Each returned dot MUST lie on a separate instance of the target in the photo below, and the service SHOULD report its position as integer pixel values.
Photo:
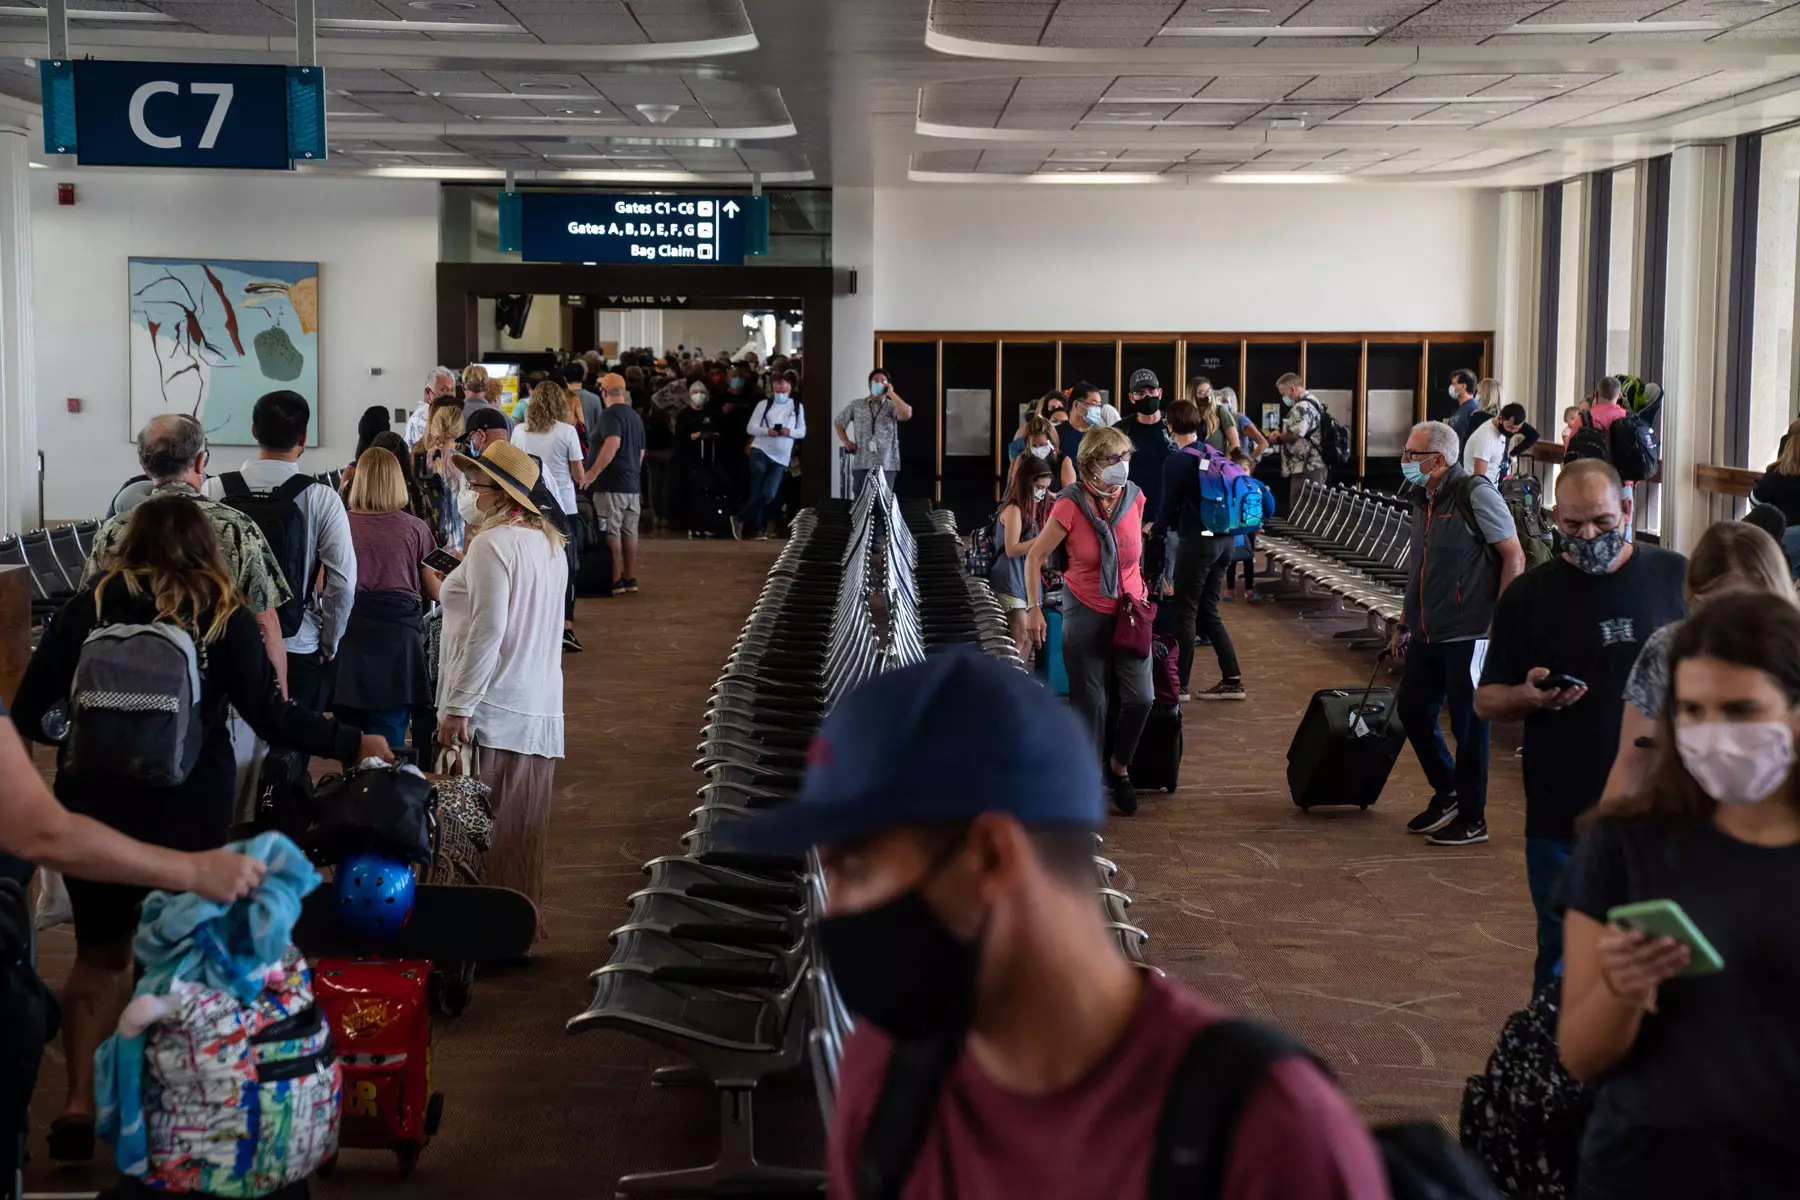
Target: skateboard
(449, 925)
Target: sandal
(72, 1139)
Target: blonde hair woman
(1218, 424)
(552, 439)
(1100, 520)
(1487, 395)
(500, 672)
(1780, 484)
(439, 480)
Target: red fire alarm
(74, 403)
(65, 193)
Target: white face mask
(1039, 493)
(1117, 475)
(468, 503)
(1737, 762)
(697, 399)
(1452, 390)
(1042, 451)
(1093, 414)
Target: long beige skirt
(521, 786)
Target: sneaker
(1185, 697)
(1124, 796)
(1460, 833)
(1225, 689)
(1227, 598)
(737, 529)
(571, 643)
(1439, 813)
(763, 536)
(625, 585)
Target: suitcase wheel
(408, 1158)
(434, 1113)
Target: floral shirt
(246, 552)
(1301, 456)
(874, 429)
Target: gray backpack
(134, 708)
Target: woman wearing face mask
(1101, 522)
(1732, 556)
(500, 669)
(694, 448)
(1053, 406)
(1218, 424)
(1039, 440)
(1698, 1076)
(1015, 525)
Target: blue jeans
(1435, 676)
(1545, 860)
(389, 723)
(765, 484)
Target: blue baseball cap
(945, 740)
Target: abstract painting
(210, 336)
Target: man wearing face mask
(869, 428)
(1579, 620)
(963, 932)
(1298, 437)
(1465, 551)
(1087, 410)
(1151, 442)
(1468, 405)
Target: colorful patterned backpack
(241, 1100)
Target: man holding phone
(1564, 639)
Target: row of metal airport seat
(1348, 546)
(54, 558)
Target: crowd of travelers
(1658, 696)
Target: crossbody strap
(909, 1098)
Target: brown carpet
(1395, 961)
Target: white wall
(1195, 259)
(376, 242)
(713, 330)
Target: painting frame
(208, 334)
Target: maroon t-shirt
(1297, 1138)
(389, 547)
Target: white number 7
(221, 92)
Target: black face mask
(900, 968)
(1149, 404)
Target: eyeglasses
(1411, 455)
(1115, 459)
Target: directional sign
(160, 114)
(650, 230)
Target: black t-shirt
(1069, 439)
(1151, 446)
(1591, 627)
(1722, 1051)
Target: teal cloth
(184, 937)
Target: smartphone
(1555, 682)
(1665, 918)
(442, 561)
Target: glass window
(1569, 385)
(1621, 273)
(1772, 333)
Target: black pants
(309, 681)
(1200, 564)
(1436, 675)
(1681, 1164)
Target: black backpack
(1216, 1075)
(1334, 439)
(277, 513)
(1632, 448)
(1524, 1116)
(1588, 441)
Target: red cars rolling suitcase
(381, 1023)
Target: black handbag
(379, 810)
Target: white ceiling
(985, 91)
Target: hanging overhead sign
(161, 114)
(648, 230)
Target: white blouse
(501, 658)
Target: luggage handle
(1362, 707)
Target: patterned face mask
(1595, 555)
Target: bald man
(1564, 640)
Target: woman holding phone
(1697, 1069)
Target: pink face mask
(1737, 762)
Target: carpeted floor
(1395, 961)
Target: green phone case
(1665, 918)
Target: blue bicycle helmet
(374, 894)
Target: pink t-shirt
(1297, 1136)
(1605, 414)
(389, 547)
(1083, 576)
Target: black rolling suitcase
(709, 496)
(1157, 763)
(1346, 745)
(593, 557)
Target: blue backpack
(1231, 502)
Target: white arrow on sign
(731, 208)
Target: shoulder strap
(903, 1111)
(1221, 1067)
(291, 487)
(234, 484)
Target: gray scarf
(1105, 531)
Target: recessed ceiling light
(658, 114)
(442, 6)
(1290, 177)
(1271, 31)
(371, 25)
(90, 14)
(543, 85)
(582, 112)
(1596, 28)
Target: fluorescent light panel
(1271, 31)
(92, 14)
(1574, 28)
(401, 26)
(1286, 177)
